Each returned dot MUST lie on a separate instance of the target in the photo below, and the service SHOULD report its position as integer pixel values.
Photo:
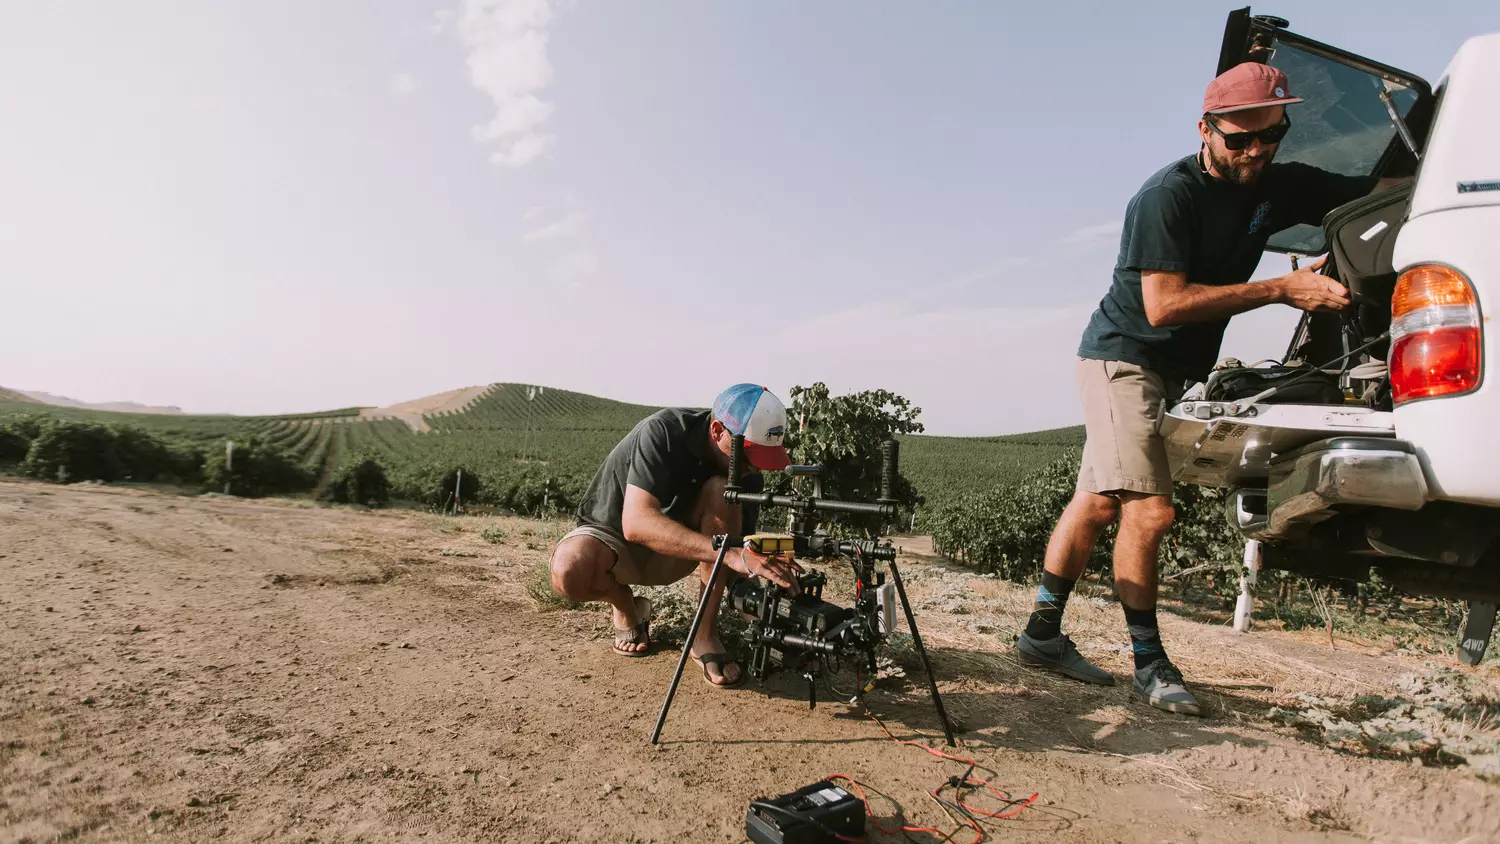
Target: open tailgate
(1207, 446)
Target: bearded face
(1244, 166)
(1241, 168)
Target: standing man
(650, 515)
(1193, 235)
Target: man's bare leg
(580, 572)
(1072, 541)
(715, 516)
(1068, 552)
(1144, 522)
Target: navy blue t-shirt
(1184, 220)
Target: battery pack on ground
(810, 815)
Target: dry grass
(1300, 808)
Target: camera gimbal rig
(802, 632)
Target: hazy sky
(259, 207)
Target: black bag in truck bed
(1361, 238)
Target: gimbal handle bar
(820, 546)
(885, 508)
(827, 505)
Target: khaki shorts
(1123, 452)
(635, 564)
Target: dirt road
(189, 668)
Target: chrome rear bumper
(1208, 447)
(1305, 486)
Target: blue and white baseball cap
(751, 410)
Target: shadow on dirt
(1002, 704)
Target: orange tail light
(1436, 336)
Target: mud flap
(1477, 632)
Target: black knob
(736, 454)
(890, 452)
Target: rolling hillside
(945, 468)
(13, 397)
(528, 445)
(120, 406)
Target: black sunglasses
(1239, 140)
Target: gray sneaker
(1062, 656)
(1160, 683)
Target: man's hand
(781, 571)
(1307, 290)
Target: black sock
(1145, 639)
(1051, 598)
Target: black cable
(828, 678)
(1294, 379)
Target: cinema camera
(803, 633)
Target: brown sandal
(718, 661)
(640, 634)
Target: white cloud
(570, 225)
(441, 20)
(507, 45)
(403, 84)
(1096, 235)
(533, 212)
(576, 266)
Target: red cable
(852, 781)
(979, 835)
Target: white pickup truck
(1397, 470)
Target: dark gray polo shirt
(666, 454)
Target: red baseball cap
(1246, 86)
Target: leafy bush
(259, 469)
(74, 451)
(360, 481)
(1201, 535)
(89, 451)
(433, 484)
(25, 424)
(14, 443)
(494, 534)
(534, 493)
(146, 458)
(1005, 530)
(843, 434)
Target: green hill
(518, 407)
(528, 445)
(945, 468)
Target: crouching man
(649, 517)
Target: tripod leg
(916, 639)
(687, 643)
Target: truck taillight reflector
(1436, 339)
